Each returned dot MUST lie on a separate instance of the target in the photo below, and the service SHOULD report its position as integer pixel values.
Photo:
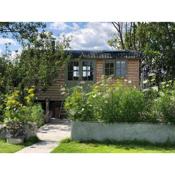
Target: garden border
(153, 133)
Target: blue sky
(85, 35)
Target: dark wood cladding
(55, 93)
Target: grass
(11, 148)
(69, 146)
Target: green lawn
(68, 146)
(10, 148)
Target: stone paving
(50, 135)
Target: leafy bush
(17, 115)
(132, 105)
(32, 114)
(166, 107)
(78, 106)
(107, 101)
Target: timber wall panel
(54, 91)
(133, 71)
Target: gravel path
(50, 135)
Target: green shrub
(77, 105)
(106, 102)
(113, 102)
(18, 116)
(132, 105)
(23, 113)
(32, 114)
(166, 107)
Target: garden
(111, 103)
(20, 120)
(21, 77)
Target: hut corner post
(47, 114)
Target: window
(120, 68)
(109, 68)
(73, 70)
(80, 70)
(87, 70)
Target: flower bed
(112, 111)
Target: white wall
(154, 133)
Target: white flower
(151, 74)
(155, 88)
(145, 81)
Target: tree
(157, 42)
(39, 62)
(38, 65)
(122, 38)
(22, 31)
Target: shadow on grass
(127, 145)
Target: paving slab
(50, 135)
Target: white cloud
(61, 26)
(7, 40)
(91, 36)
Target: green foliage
(155, 40)
(166, 106)
(39, 62)
(78, 106)
(106, 102)
(33, 114)
(17, 112)
(21, 31)
(113, 102)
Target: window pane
(76, 74)
(73, 70)
(120, 68)
(123, 68)
(84, 74)
(70, 75)
(84, 67)
(118, 72)
(109, 68)
(87, 70)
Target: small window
(87, 70)
(109, 68)
(73, 70)
(120, 68)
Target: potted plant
(15, 131)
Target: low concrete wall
(153, 133)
